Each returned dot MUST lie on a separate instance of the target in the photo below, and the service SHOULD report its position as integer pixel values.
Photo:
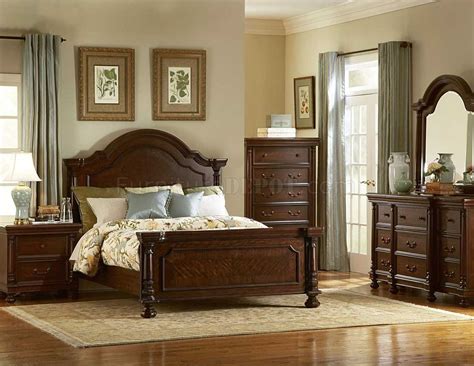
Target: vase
(446, 161)
(398, 169)
(403, 185)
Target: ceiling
(282, 9)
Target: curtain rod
(402, 44)
(22, 38)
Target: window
(10, 136)
(361, 97)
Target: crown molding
(346, 12)
(267, 27)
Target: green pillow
(83, 193)
(152, 205)
(185, 206)
(208, 191)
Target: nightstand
(35, 258)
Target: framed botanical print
(179, 84)
(304, 102)
(106, 84)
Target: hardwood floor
(440, 343)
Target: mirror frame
(427, 105)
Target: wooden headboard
(143, 158)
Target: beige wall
(442, 34)
(264, 80)
(214, 25)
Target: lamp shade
(23, 169)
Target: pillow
(108, 209)
(148, 205)
(175, 188)
(213, 205)
(82, 193)
(185, 205)
(207, 190)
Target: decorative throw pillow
(81, 194)
(213, 202)
(108, 209)
(147, 205)
(175, 188)
(185, 205)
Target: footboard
(227, 263)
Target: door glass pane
(8, 133)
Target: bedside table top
(40, 228)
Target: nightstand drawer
(411, 242)
(412, 216)
(412, 267)
(279, 176)
(54, 245)
(46, 271)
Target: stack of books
(276, 132)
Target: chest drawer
(53, 245)
(281, 155)
(281, 194)
(384, 239)
(383, 261)
(384, 214)
(449, 221)
(412, 267)
(280, 213)
(412, 216)
(411, 242)
(450, 247)
(275, 176)
(45, 271)
(449, 273)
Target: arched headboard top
(144, 158)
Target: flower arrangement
(435, 169)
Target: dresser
(280, 181)
(425, 242)
(35, 258)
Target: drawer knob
(265, 214)
(265, 177)
(297, 213)
(422, 218)
(270, 194)
(41, 273)
(449, 250)
(410, 245)
(264, 155)
(291, 194)
(452, 221)
(386, 214)
(297, 155)
(402, 217)
(385, 240)
(410, 269)
(294, 176)
(449, 274)
(385, 263)
(42, 246)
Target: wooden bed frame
(194, 264)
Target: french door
(361, 173)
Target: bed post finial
(147, 293)
(217, 165)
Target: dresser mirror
(445, 124)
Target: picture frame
(106, 84)
(179, 84)
(304, 96)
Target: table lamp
(23, 170)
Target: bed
(181, 265)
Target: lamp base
(21, 195)
(22, 222)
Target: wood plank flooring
(441, 343)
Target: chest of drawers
(425, 242)
(280, 181)
(35, 258)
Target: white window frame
(12, 80)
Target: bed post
(311, 278)
(147, 292)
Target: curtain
(394, 116)
(40, 115)
(333, 255)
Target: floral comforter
(117, 244)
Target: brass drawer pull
(386, 214)
(402, 217)
(449, 250)
(410, 245)
(297, 213)
(385, 240)
(385, 263)
(448, 274)
(270, 194)
(41, 273)
(294, 176)
(411, 269)
(265, 177)
(264, 214)
(452, 221)
(422, 218)
(42, 246)
(291, 194)
(297, 155)
(264, 155)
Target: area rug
(111, 322)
